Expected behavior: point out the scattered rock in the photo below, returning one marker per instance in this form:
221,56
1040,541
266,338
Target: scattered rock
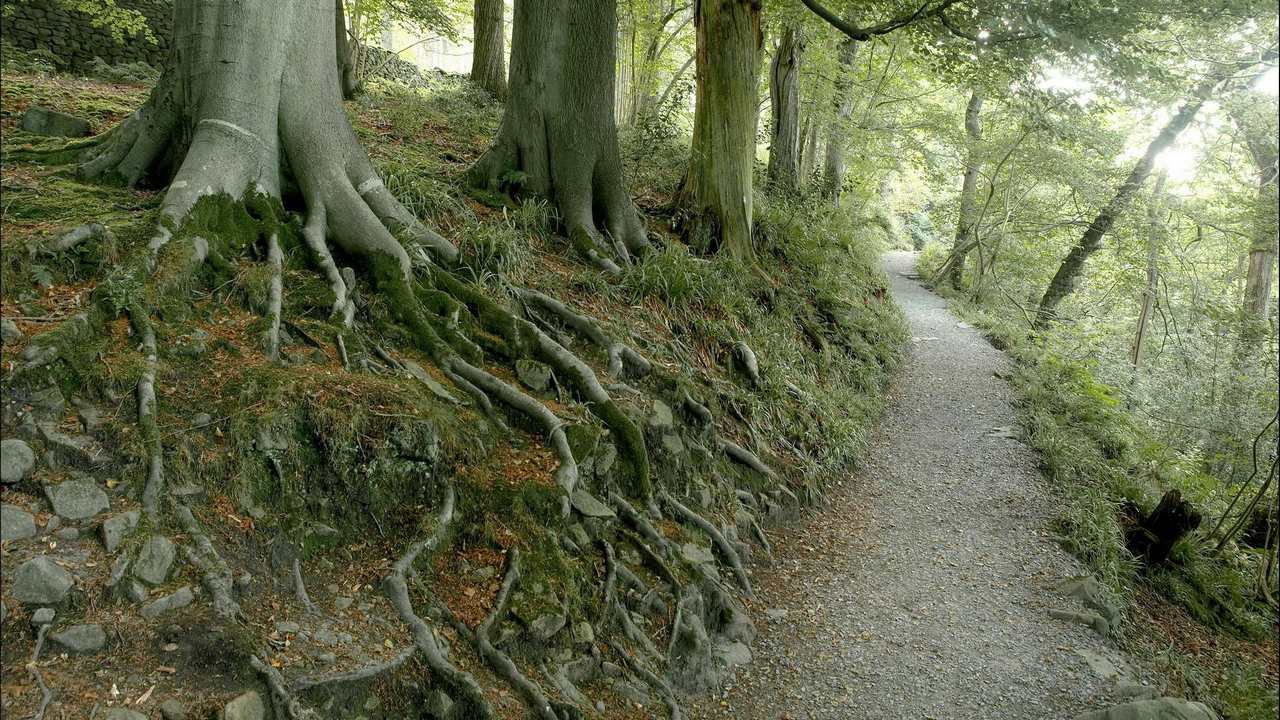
53,523
171,709
123,714
286,627
672,444
438,704
633,693
67,534
246,707
200,420
17,460
432,384
776,614
77,499
579,536
43,121
583,633
9,331
342,603
696,554
80,639
42,616
89,415
534,375
117,527
733,653
605,457
40,581
173,601
545,627
154,560
1126,690
1165,708
136,591
1093,620
16,523
63,449
661,418
589,506
1095,596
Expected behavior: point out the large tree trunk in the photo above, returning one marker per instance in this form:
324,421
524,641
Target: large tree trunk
784,99
558,137
968,189
834,169
489,62
1262,248
714,201
1069,272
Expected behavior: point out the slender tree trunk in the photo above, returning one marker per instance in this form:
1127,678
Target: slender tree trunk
347,75
1262,248
488,62
558,138
808,145
714,201
834,169
1155,239
1065,280
965,230
784,95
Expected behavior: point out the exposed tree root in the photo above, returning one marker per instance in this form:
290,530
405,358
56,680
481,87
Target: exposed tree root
613,608
300,588
498,660
364,673
424,638
147,413
284,706
760,536
743,456
46,694
622,357
77,237
275,259
698,410
747,361
214,573
727,550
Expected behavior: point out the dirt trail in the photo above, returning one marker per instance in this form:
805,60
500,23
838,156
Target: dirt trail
923,590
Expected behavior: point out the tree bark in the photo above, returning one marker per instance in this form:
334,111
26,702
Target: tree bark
784,95
965,230
714,202
834,169
1262,248
1065,280
1155,239
558,138
488,62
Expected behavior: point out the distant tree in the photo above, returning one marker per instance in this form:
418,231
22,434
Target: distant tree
784,100
489,61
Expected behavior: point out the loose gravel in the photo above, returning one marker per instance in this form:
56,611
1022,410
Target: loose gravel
923,590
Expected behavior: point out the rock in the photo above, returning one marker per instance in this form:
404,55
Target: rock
42,616
589,506
77,499
136,591
9,331
43,121
342,603
116,528
583,633
1093,620
327,658
438,704
63,449
48,404
171,709
80,639
776,614
40,581
1089,591
733,653
440,391
582,670
579,535
16,523
53,523
1165,708
200,420
661,418
545,627
534,375
123,714
331,638
246,707
691,663
154,560
696,554
285,627
672,444
1126,690
605,457
173,601
632,693
68,534
17,460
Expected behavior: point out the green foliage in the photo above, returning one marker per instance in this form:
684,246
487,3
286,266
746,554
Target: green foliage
118,21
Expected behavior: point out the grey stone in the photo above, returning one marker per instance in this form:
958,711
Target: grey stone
440,391
661,418
17,460
53,523
63,449
123,714
583,633
579,536
581,670
154,560
47,403
40,581
200,420
1126,690
438,704
116,528
632,693
9,331
136,591
605,457
342,603
672,444
327,658
90,416
68,534
77,499
1091,619
776,614
286,627
589,506
331,638
173,601
535,375
245,707
545,627
42,616
80,639
171,709
1165,708
1095,596
696,554
16,523
612,670
43,121
733,653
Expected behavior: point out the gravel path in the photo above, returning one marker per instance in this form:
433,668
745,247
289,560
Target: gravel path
923,590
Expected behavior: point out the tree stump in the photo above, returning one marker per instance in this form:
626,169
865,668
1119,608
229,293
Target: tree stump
1153,535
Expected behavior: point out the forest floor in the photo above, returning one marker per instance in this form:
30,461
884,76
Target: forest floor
924,589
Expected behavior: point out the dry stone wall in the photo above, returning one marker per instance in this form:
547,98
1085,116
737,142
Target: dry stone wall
72,40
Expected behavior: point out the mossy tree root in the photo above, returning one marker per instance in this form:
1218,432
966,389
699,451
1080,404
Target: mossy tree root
397,590
722,544
214,573
743,456
283,704
623,359
275,260
146,391
498,660
365,673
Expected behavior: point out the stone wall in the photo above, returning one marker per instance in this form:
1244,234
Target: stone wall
73,41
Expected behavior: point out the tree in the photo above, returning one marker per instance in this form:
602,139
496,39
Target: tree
558,138
784,100
714,200
489,62
834,167
1256,119
968,188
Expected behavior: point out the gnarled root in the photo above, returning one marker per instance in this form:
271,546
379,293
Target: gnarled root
147,412
498,660
726,549
424,639
214,573
46,694
622,357
743,456
283,704
78,236
364,673
275,259
300,588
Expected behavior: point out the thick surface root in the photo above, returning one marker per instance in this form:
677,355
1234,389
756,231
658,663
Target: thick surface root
723,545
214,573
498,660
